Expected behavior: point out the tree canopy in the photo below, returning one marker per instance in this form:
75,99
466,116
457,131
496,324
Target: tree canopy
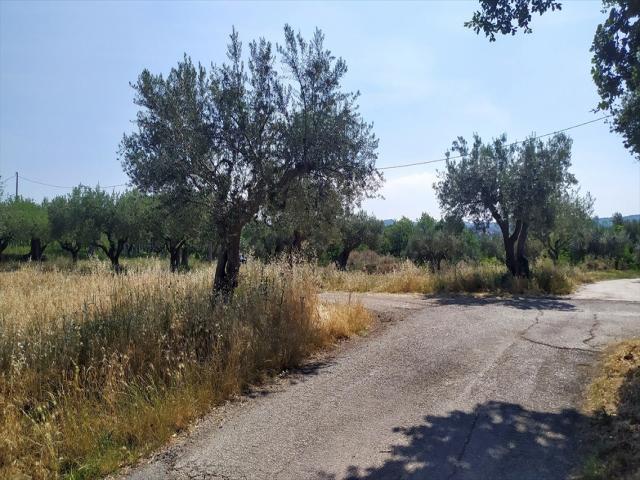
232,139
512,184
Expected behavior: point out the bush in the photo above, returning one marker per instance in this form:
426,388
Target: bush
371,262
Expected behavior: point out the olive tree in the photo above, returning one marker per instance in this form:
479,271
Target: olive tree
25,222
357,229
118,218
174,226
568,220
72,225
233,138
510,184
434,241
395,237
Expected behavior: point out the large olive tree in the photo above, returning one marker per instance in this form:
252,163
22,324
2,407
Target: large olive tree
510,184
234,138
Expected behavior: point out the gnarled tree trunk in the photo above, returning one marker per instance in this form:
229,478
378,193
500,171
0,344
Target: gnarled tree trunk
4,243
37,249
174,249
514,246
113,251
228,266
343,258
73,249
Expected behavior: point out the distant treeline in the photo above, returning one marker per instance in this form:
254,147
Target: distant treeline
90,221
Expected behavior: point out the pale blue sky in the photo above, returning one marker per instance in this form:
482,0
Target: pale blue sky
65,99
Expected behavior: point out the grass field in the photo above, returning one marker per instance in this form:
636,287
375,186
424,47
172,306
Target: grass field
97,369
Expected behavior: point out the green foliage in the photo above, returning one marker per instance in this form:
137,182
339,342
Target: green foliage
73,223
235,139
434,241
616,69
568,219
515,185
396,237
357,229
508,16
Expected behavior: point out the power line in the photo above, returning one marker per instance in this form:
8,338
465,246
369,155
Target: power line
426,162
22,177
509,145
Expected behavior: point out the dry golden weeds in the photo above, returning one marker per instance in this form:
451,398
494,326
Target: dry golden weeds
613,401
97,369
459,278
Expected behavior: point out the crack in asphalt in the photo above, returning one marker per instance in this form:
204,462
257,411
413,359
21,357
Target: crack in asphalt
592,330
559,347
535,322
522,335
456,467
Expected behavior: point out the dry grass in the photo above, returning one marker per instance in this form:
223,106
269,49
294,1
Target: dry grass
460,278
97,369
613,400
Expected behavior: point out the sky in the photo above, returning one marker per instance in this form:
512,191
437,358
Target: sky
424,79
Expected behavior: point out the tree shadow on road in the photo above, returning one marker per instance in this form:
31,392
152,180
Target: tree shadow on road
521,303
293,376
495,441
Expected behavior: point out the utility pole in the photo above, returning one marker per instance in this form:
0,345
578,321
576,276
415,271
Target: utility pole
16,185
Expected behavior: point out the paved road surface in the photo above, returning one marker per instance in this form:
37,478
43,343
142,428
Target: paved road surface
454,388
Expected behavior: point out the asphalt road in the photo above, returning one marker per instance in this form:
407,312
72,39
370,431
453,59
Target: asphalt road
450,388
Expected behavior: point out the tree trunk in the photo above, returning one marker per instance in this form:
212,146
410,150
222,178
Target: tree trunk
174,249
72,248
184,258
522,262
174,259
228,267
36,250
4,243
114,255
114,251
509,244
554,250
343,259
210,252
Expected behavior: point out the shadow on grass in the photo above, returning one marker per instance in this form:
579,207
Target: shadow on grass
496,441
521,303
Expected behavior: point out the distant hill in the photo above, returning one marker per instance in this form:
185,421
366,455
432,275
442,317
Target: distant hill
389,221
606,222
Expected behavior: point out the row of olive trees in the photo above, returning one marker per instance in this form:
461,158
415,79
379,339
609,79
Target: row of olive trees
93,219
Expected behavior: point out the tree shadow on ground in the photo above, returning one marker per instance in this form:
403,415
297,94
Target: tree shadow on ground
521,303
495,441
292,376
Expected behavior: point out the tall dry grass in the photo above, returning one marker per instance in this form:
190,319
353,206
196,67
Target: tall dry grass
463,277
98,369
